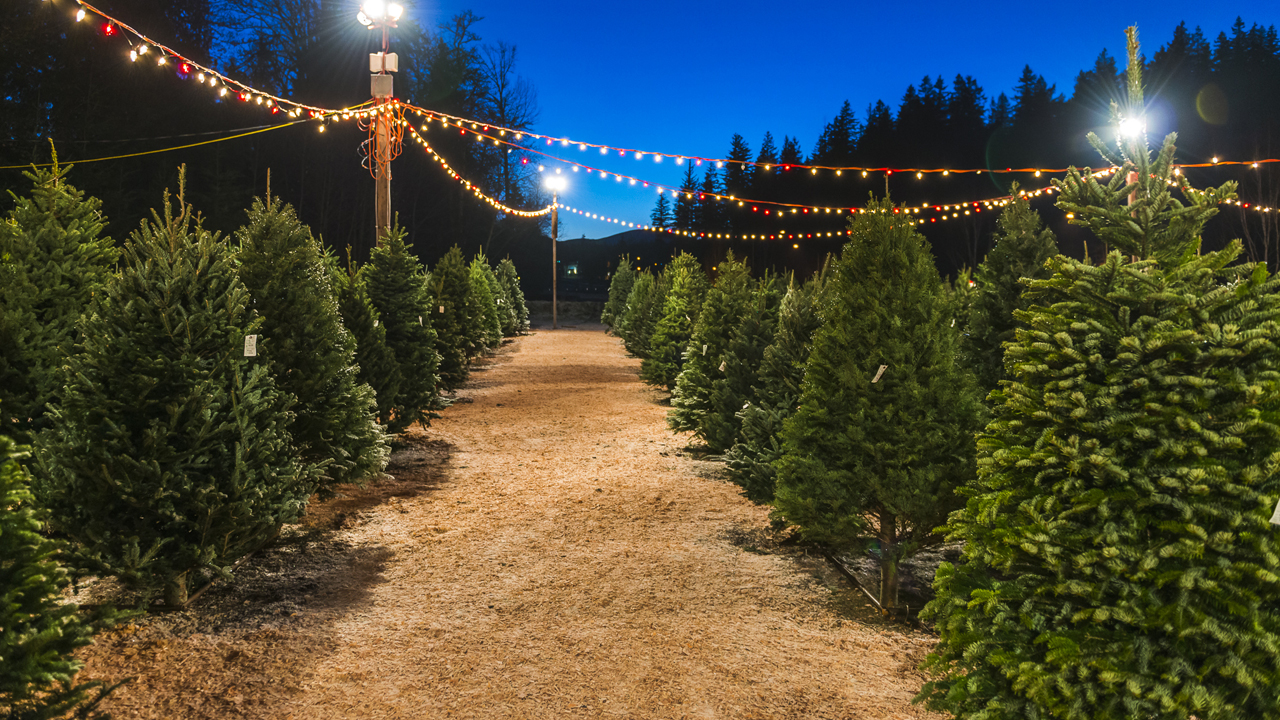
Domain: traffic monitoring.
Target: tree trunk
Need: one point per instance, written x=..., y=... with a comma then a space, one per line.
x=175, y=591
x=888, y=560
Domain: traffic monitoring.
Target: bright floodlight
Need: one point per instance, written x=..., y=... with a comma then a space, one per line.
x=1132, y=127
x=395, y=11
x=364, y=19
x=374, y=9
x=556, y=183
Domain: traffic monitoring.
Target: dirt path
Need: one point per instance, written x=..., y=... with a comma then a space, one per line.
x=570, y=562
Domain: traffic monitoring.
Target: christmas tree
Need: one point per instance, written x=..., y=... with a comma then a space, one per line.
x=374, y=358
x=704, y=356
x=53, y=259
x=170, y=456
x=961, y=294
x=508, y=315
x=450, y=303
x=1023, y=246
x=510, y=280
x=644, y=305
x=1119, y=560
x=688, y=288
x=731, y=393
x=619, y=290
x=775, y=392
x=486, y=306
x=397, y=287
x=311, y=354
x=37, y=670
x=884, y=431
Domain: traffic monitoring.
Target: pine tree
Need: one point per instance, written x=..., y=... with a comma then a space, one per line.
x=486, y=306
x=661, y=217
x=688, y=287
x=1119, y=560
x=508, y=315
x=397, y=285
x=1023, y=246
x=510, y=280
x=170, y=457
x=775, y=392
x=375, y=359
x=731, y=393
x=37, y=669
x=53, y=259
x=960, y=295
x=884, y=431
x=312, y=356
x=684, y=213
x=450, y=291
x=619, y=289
x=704, y=355
x=644, y=308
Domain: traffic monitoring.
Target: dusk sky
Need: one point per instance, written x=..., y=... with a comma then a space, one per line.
x=682, y=78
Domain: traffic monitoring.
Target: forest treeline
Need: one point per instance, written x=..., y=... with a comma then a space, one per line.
x=73, y=83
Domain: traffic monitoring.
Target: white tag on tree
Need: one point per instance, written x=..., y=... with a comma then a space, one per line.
x=704, y=349
x=419, y=319
x=953, y=322
x=441, y=309
x=375, y=323
x=722, y=365
x=879, y=372
x=251, y=346
x=1275, y=516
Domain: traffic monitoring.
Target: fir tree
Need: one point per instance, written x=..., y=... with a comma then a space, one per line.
x=684, y=214
x=450, y=304
x=704, y=356
x=661, y=217
x=37, y=669
x=731, y=393
x=53, y=259
x=170, y=454
x=510, y=280
x=486, y=306
x=688, y=287
x=1023, y=246
x=312, y=356
x=508, y=315
x=960, y=295
x=644, y=308
x=775, y=392
x=884, y=431
x=374, y=358
x=619, y=289
x=397, y=285
x=1119, y=560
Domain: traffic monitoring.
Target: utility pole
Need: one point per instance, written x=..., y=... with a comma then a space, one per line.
x=555, y=265
x=380, y=15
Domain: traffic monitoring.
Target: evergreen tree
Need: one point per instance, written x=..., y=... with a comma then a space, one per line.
x=170, y=456
x=883, y=434
x=960, y=296
x=704, y=356
x=688, y=287
x=375, y=359
x=53, y=259
x=644, y=309
x=510, y=280
x=1119, y=560
x=508, y=316
x=684, y=215
x=486, y=306
x=37, y=670
x=835, y=147
x=739, y=175
x=711, y=214
x=731, y=392
x=661, y=217
x=1022, y=247
x=397, y=285
x=311, y=354
x=449, y=306
x=619, y=288
x=775, y=393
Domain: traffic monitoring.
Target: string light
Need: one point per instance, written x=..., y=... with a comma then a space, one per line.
x=475, y=189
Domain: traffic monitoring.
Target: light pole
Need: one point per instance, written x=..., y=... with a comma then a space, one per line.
x=555, y=183
x=378, y=14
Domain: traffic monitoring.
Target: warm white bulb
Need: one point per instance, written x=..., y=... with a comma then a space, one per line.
x=1132, y=127
x=79, y=14
x=395, y=11
x=375, y=9
x=143, y=50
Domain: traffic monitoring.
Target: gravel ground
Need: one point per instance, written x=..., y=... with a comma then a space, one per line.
x=546, y=550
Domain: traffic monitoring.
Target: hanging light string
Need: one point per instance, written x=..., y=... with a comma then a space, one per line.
x=475, y=189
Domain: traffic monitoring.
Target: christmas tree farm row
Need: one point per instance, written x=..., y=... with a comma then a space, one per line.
x=182, y=396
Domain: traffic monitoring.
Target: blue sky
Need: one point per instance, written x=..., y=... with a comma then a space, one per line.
x=683, y=77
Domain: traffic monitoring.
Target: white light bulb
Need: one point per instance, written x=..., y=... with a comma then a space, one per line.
x=79, y=14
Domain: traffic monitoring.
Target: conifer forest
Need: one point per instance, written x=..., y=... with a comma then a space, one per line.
x=842, y=443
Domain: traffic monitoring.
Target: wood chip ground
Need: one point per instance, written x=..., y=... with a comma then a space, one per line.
x=546, y=550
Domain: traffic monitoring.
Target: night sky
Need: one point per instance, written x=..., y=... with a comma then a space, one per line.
x=683, y=77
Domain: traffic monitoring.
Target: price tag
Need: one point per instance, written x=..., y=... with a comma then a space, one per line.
x=251, y=346
x=722, y=362
x=879, y=372
x=419, y=319
x=441, y=309
x=375, y=323
x=1275, y=516
x=704, y=349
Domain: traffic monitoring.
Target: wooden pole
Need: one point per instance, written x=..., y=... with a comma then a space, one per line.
x=555, y=266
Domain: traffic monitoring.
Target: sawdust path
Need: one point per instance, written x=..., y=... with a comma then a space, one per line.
x=572, y=565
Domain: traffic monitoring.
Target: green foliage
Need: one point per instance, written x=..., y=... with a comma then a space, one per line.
x=688, y=288
x=397, y=286
x=518, y=314
x=450, y=306
x=644, y=307
x=53, y=260
x=486, y=305
x=1023, y=246
x=170, y=452
x=775, y=393
x=704, y=356
x=874, y=461
x=37, y=670
x=375, y=360
x=309, y=351
x=619, y=289
x=1119, y=559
